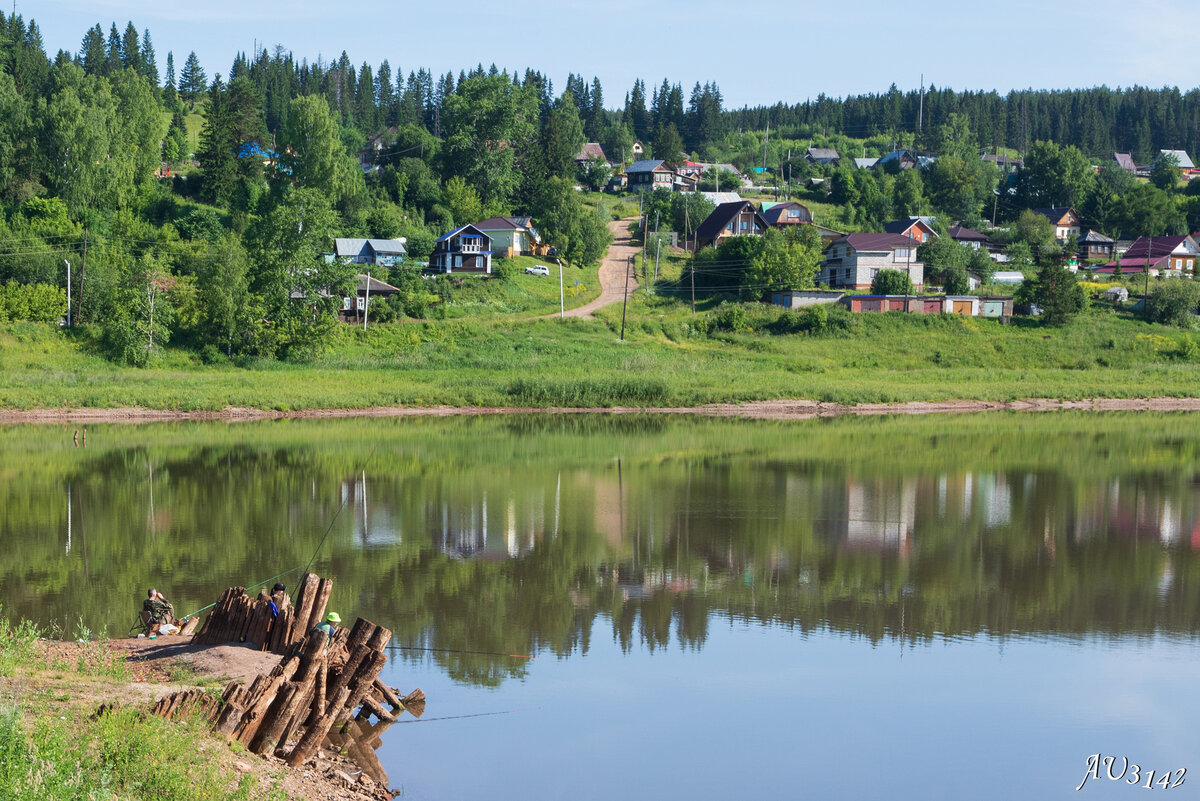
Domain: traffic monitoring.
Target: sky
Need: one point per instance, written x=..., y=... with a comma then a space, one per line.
x=757, y=54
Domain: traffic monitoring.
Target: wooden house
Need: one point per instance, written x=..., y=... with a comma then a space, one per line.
x=369, y=290
x=965, y=236
x=1065, y=221
x=739, y=218
x=591, y=151
x=823, y=156
x=382, y=252
x=511, y=236
x=466, y=249
x=1094, y=245
x=904, y=159
x=1174, y=253
x=786, y=214
x=644, y=176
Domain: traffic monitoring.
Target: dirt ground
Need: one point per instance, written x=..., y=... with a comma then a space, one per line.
x=759, y=410
x=167, y=664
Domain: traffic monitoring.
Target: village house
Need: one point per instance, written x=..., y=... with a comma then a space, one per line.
x=369, y=289
x=739, y=218
x=1094, y=245
x=644, y=176
x=1065, y=221
x=1125, y=162
x=855, y=259
x=917, y=229
x=590, y=151
x=466, y=249
x=866, y=163
x=1009, y=164
x=1182, y=160
x=905, y=159
x=511, y=236
x=823, y=156
x=1164, y=255
x=382, y=252
x=965, y=236
x=786, y=214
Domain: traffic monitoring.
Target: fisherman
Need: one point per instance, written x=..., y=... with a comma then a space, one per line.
x=276, y=597
x=159, y=609
x=329, y=625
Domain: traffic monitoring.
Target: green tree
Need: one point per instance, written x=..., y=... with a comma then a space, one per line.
x=1174, y=302
x=565, y=222
x=463, y=201
x=668, y=144
x=1056, y=291
x=788, y=260
x=487, y=121
x=1055, y=176
x=562, y=138
x=192, y=80
x=891, y=282
x=1166, y=174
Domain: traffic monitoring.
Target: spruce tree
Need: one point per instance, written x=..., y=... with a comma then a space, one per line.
x=149, y=66
x=191, y=79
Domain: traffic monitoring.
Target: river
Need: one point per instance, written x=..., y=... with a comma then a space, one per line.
x=639, y=606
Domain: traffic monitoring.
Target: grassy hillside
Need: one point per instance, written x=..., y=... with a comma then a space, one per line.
x=669, y=357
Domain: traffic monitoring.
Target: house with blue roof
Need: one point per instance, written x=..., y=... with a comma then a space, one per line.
x=466, y=249
x=381, y=252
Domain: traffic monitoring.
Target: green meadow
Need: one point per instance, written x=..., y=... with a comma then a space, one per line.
x=668, y=357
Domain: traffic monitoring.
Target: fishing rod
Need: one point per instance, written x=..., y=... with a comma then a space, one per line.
x=460, y=651
x=297, y=568
x=289, y=570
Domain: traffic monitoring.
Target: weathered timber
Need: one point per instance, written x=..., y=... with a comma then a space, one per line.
x=361, y=684
x=305, y=597
x=316, y=733
x=373, y=705
x=317, y=613
x=388, y=695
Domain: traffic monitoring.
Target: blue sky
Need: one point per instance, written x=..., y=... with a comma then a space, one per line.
x=757, y=53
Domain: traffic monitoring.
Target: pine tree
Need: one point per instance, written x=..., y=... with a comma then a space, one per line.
x=114, y=60
x=92, y=52
x=131, y=53
x=191, y=79
x=596, y=119
x=149, y=66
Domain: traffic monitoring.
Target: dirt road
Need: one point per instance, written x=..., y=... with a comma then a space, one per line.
x=612, y=271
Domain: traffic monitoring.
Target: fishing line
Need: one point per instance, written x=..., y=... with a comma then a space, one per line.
x=460, y=717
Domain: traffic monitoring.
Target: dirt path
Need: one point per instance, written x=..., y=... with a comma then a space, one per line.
x=612, y=271
x=797, y=409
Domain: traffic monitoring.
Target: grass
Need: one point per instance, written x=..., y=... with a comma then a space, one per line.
x=668, y=357
x=53, y=745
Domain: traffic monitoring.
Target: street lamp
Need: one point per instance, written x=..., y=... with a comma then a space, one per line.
x=68, y=292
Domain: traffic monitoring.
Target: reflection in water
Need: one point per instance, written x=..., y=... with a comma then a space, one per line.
x=513, y=537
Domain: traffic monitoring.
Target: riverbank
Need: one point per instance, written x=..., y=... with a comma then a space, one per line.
x=668, y=360
x=50, y=692
x=754, y=410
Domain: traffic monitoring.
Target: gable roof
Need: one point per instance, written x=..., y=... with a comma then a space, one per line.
x=1182, y=160
x=352, y=247
x=821, y=153
x=1055, y=213
x=376, y=285
x=1125, y=161
x=497, y=224
x=866, y=163
x=900, y=226
x=778, y=212
x=1094, y=237
x=387, y=245
x=717, y=198
x=646, y=165
x=461, y=229
x=1157, y=246
x=591, y=150
x=721, y=216
x=875, y=242
x=966, y=235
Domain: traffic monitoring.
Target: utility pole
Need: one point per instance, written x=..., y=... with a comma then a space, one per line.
x=561, y=305
x=68, y=292
x=921, y=105
x=625, y=300
x=367, y=302
x=82, y=277
x=1146, y=291
x=693, y=272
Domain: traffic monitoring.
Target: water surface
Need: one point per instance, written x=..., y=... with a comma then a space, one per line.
x=855, y=608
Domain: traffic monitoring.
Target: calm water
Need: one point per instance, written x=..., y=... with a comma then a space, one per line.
x=963, y=607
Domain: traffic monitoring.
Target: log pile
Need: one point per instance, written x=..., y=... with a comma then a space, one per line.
x=237, y=617
x=314, y=690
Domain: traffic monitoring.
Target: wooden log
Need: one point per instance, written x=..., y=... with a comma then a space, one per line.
x=189, y=626
x=387, y=694
x=349, y=669
x=262, y=695
x=373, y=705
x=304, y=600
x=316, y=733
x=286, y=705
x=317, y=612
x=361, y=684
x=312, y=656
x=360, y=632
x=317, y=708
x=379, y=638
x=359, y=748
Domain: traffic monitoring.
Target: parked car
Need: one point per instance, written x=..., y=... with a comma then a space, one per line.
x=537, y=269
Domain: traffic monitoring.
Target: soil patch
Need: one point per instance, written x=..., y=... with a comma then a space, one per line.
x=759, y=410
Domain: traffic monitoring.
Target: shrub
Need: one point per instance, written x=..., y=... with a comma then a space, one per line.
x=1173, y=302
x=891, y=282
x=503, y=269
x=731, y=317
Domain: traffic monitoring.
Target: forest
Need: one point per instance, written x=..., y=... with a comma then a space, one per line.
x=196, y=208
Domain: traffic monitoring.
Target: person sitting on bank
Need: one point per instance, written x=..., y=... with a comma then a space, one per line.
x=159, y=609
x=329, y=625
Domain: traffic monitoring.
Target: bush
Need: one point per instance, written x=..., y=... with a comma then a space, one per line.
x=891, y=282
x=1174, y=302
x=503, y=269
x=36, y=303
x=730, y=317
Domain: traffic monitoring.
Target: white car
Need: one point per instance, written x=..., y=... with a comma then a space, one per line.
x=537, y=269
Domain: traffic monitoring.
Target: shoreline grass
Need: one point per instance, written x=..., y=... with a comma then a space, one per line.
x=669, y=358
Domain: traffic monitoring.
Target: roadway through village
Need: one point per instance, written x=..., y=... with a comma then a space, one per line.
x=613, y=269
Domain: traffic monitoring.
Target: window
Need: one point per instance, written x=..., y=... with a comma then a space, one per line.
x=874, y=272
x=794, y=214
x=902, y=254
x=745, y=225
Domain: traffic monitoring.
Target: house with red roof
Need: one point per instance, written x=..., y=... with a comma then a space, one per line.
x=965, y=236
x=1170, y=255
x=511, y=236
x=786, y=214
x=916, y=228
x=855, y=259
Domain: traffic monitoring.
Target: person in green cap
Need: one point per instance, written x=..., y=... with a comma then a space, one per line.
x=329, y=625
